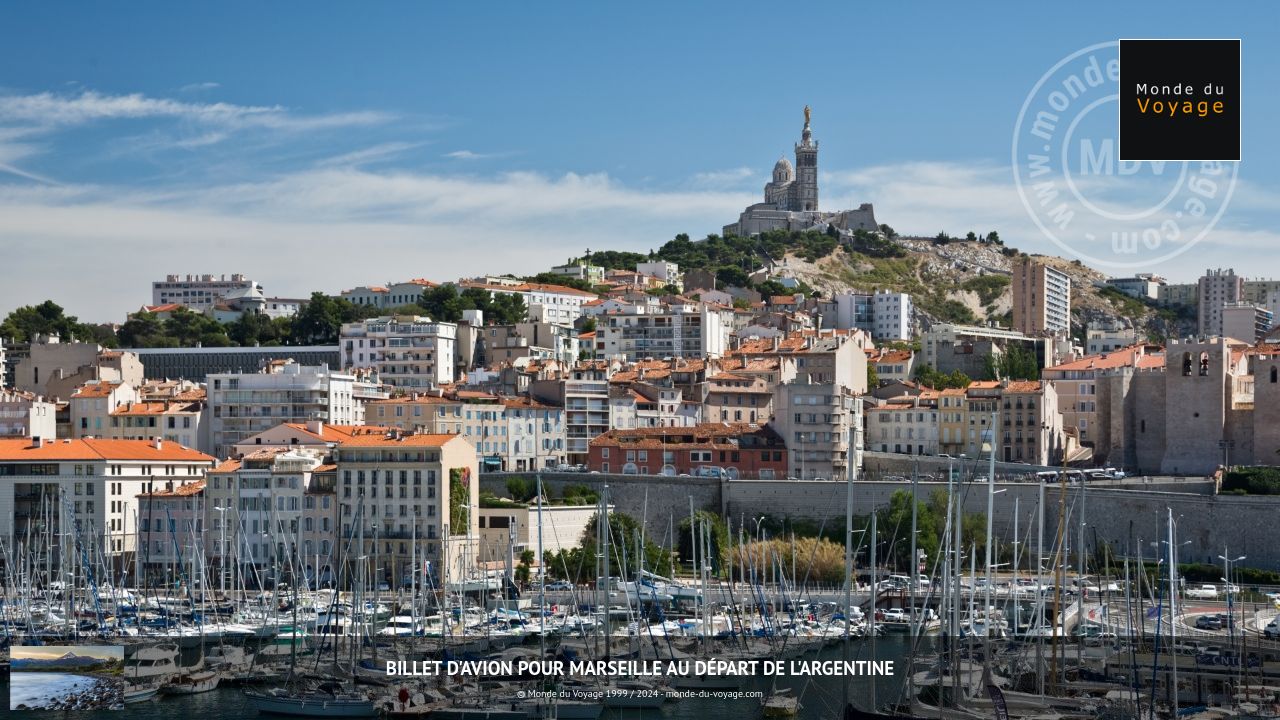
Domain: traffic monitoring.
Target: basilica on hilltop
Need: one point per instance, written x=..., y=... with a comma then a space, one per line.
x=791, y=198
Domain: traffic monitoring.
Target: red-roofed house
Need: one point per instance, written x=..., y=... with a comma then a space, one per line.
x=740, y=450
x=94, y=482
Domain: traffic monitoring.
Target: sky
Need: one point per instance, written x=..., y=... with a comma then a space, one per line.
x=323, y=146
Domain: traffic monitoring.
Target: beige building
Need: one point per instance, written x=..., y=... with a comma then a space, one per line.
x=1077, y=384
x=1215, y=289
x=817, y=422
x=393, y=486
x=55, y=369
x=737, y=398
x=1030, y=424
x=506, y=532
x=1041, y=298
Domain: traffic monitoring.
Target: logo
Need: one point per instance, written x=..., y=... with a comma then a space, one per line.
x=1107, y=211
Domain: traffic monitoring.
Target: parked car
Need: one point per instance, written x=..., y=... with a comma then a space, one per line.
x=1272, y=630
x=559, y=585
x=895, y=615
x=1204, y=592
x=1208, y=622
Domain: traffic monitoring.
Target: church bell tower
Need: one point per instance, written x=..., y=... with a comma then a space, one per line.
x=806, y=183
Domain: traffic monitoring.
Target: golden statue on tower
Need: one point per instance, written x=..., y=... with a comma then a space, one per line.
x=806, y=114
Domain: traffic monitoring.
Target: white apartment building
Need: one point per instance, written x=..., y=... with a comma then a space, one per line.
x=906, y=425
x=198, y=292
x=584, y=395
x=405, y=351
x=508, y=433
x=92, y=482
x=667, y=272
x=24, y=414
x=1101, y=338
x=245, y=404
x=388, y=296
x=692, y=330
x=255, y=511
x=891, y=313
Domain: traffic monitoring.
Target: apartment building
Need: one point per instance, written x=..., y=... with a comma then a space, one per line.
x=405, y=351
x=819, y=356
x=67, y=491
x=255, y=514
x=584, y=394
x=689, y=330
x=55, y=369
x=242, y=405
x=393, y=487
x=907, y=424
x=24, y=414
x=732, y=450
x=737, y=398
x=198, y=292
x=391, y=295
x=1041, y=298
x=817, y=421
x=171, y=533
x=508, y=433
x=1245, y=321
x=1030, y=427
x=1215, y=290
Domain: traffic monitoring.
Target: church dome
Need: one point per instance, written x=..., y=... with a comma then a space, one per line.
x=782, y=171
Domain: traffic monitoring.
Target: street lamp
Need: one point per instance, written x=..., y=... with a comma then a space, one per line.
x=1226, y=579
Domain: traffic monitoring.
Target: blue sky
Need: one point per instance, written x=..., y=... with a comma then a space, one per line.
x=323, y=146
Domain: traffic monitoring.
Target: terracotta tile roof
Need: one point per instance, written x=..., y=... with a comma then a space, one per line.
x=782, y=300
x=1023, y=386
x=420, y=281
x=340, y=433
x=324, y=468
x=227, y=466
x=894, y=356
x=98, y=449
x=397, y=440
x=154, y=408
x=95, y=390
x=183, y=490
x=984, y=385
x=166, y=307
x=703, y=435
x=1124, y=357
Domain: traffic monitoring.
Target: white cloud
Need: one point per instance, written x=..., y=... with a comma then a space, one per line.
x=469, y=155
x=733, y=179
x=50, y=110
x=365, y=156
x=198, y=87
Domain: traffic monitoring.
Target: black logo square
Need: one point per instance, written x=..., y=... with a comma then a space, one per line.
x=1180, y=100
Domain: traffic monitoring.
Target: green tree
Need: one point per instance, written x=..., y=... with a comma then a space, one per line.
x=459, y=500
x=521, y=488
x=141, y=330
x=189, y=328
x=320, y=321
x=894, y=528
x=873, y=377
x=47, y=318
x=719, y=540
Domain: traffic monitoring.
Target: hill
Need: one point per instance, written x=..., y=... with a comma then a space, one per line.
x=960, y=280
